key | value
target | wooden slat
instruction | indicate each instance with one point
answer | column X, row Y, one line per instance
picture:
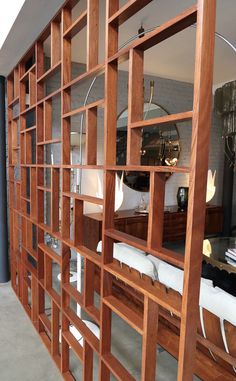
column 46, row 249
column 144, row 168
column 73, row 343
column 150, row 325
column 85, row 198
column 172, row 118
column 77, row 26
column 83, row 329
column 98, row 103
column 50, row 72
column 127, row 11
column 117, row 368
column 92, row 30
column 124, row 312
column 198, row 181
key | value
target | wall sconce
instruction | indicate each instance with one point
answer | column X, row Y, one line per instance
column 211, row 188
column 119, row 193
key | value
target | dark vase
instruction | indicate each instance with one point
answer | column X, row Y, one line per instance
column 182, row 198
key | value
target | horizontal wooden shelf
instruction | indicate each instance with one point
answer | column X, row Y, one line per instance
column 126, row 313
column 30, row 129
column 172, row 257
column 14, row 101
column 27, row 199
column 159, row 34
column 76, row 26
column 15, row 117
column 127, row 11
column 94, row 313
column 173, row 118
column 99, row 103
column 74, row 293
column 51, row 253
column 32, row 252
column 85, row 198
column 44, row 189
column 145, row 168
column 116, row 368
column 126, row 238
column 26, row 74
column 74, row 344
column 49, row 96
column 28, row 109
column 50, row 72
column 89, row 254
column 51, row 141
column 82, row 166
column 95, row 71
column 159, row 295
column 54, row 295
column 82, row 328
column 46, row 322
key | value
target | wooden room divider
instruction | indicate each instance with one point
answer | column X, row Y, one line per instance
column 30, row 119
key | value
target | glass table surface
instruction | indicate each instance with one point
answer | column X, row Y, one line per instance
column 214, row 250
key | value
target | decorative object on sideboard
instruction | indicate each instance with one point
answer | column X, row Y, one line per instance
column 182, row 198
column 143, row 206
column 211, row 188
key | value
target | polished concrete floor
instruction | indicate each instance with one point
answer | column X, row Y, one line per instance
column 23, row 357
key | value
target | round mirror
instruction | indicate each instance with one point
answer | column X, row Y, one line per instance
column 160, row 146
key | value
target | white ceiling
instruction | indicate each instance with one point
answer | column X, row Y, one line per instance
column 172, row 59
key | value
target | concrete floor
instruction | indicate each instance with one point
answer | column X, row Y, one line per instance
column 23, row 357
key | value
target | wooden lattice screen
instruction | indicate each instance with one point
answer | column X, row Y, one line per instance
column 31, row 194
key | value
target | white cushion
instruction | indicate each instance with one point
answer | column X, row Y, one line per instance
column 133, row 258
column 219, row 302
column 213, row 299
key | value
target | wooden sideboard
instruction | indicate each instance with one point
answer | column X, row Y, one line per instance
column 133, row 223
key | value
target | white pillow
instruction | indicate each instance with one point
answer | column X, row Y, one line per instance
column 220, row 303
column 156, row 261
column 133, row 258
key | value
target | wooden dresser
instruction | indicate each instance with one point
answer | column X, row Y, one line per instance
column 133, row 223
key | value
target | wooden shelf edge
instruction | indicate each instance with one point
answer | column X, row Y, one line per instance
column 175, row 118
column 126, row 313
column 76, row 26
column 127, row 11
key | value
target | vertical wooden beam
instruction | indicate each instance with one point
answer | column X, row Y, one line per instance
column 156, row 210
column 55, row 177
column 135, row 106
column 55, row 43
column 32, row 88
column 88, row 362
column 91, row 136
column 92, row 31
column 197, row 185
column 47, row 119
column 78, row 222
column 149, row 344
column 55, row 330
column 66, row 52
